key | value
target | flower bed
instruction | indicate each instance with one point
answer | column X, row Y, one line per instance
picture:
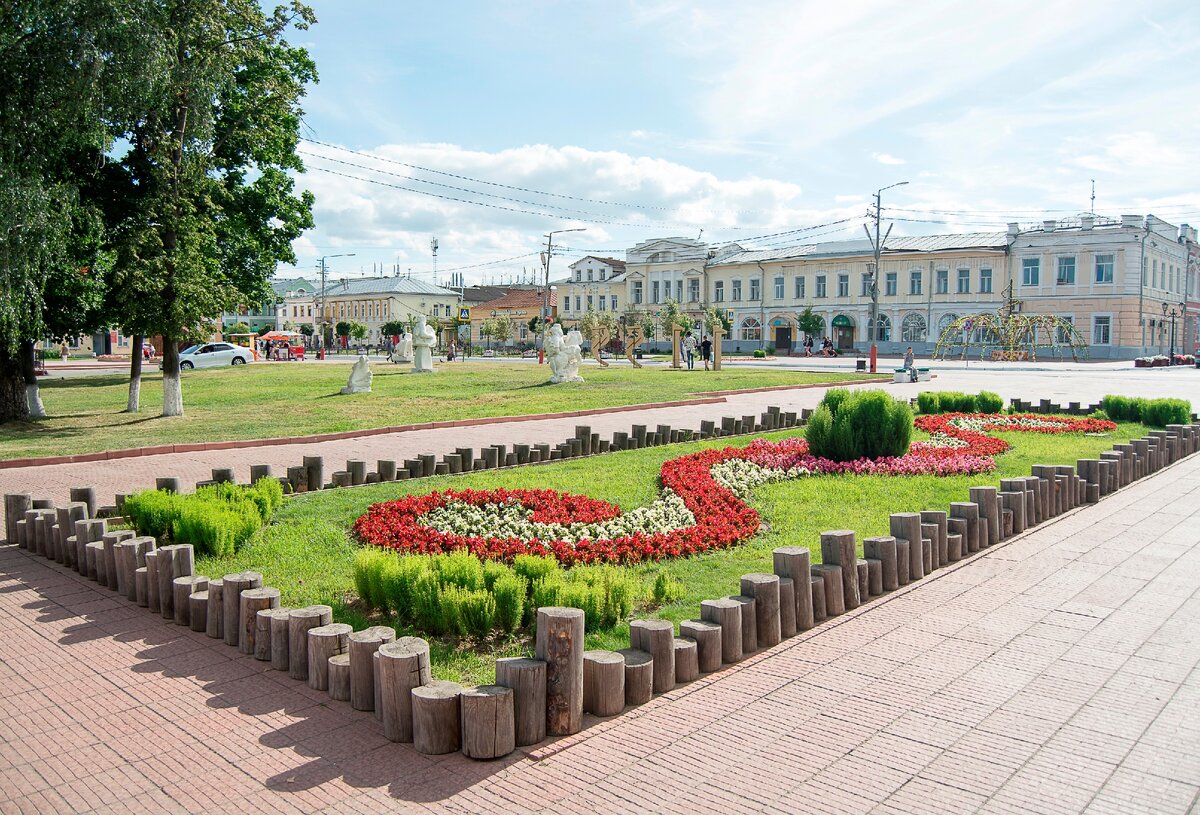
column 702, row 506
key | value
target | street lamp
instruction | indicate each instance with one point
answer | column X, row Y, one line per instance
column 877, row 244
column 1171, row 313
column 546, row 290
column 321, row 306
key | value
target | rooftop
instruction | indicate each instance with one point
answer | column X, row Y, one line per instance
column 515, row 300
column 919, row 243
column 385, row 285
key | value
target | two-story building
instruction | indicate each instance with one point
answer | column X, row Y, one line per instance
column 373, row 301
column 592, row 282
column 282, row 307
column 519, row 305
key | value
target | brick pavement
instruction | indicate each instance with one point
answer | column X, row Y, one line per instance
column 1055, row 673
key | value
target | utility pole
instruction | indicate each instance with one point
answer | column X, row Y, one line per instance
column 546, row 290
column 321, row 307
column 877, row 245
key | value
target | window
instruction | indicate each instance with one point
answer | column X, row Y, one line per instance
column 913, row 328
column 779, row 288
column 751, row 329
column 1030, row 271
column 821, row 285
column 1062, row 334
column 914, row 282
column 578, row 303
column 985, row 281
column 637, row 292
column 578, row 275
column 889, row 284
column 1104, row 268
column 1066, row 271
column 943, row 281
column 1101, row 330
column 843, row 285
column 719, row 291
column 944, row 323
column 589, row 275
column 799, row 288
column 964, row 281
column 613, row 303
column 1154, row 276
column 885, row 329
column 603, row 275
column 737, row 290
column 694, row 290
column 866, row 285
column 603, row 302
column 655, row 292
column 755, row 289
column 678, row 290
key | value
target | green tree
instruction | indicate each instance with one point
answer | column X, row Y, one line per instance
column 239, row 328
column 358, row 331
column 672, row 314
column 342, row 329
column 715, row 316
column 306, row 329
column 393, row 328
column 809, row 322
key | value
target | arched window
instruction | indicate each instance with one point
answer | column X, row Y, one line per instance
column 944, row 323
column 751, row 329
column 913, row 328
column 885, row 329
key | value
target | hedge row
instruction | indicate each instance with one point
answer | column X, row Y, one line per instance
column 931, row 402
column 216, row 520
column 1151, row 412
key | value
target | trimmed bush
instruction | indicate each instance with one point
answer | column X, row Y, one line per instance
column 509, row 591
column 865, row 424
column 1152, row 412
column 400, row 577
column 471, row 611
column 153, row 511
column 216, row 520
column 534, row 567
column 988, row 402
column 928, row 403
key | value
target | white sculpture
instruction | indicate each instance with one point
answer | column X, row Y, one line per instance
column 360, row 377
column 563, row 356
column 422, row 344
column 403, row 352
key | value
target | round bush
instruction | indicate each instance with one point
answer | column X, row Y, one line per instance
column 865, row 424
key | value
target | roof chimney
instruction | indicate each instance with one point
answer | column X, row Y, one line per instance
column 1134, row 221
column 1014, row 229
column 1087, row 222
column 1049, row 225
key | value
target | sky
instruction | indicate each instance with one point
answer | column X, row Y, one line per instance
column 487, row 125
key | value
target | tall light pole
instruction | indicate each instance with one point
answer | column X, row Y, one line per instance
column 1172, row 314
column 546, row 290
column 321, row 306
column 877, row 245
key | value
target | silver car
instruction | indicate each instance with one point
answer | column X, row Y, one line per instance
column 212, row 355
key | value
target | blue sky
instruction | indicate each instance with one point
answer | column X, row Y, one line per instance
column 739, row 119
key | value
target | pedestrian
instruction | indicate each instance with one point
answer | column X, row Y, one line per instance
column 808, row 345
column 910, row 364
column 450, row 352
column 65, row 352
column 689, row 349
column 706, row 351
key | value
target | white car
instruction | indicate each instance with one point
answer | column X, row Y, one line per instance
column 212, row 355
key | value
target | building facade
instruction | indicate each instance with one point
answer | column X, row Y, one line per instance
column 372, row 301
column 519, row 305
column 592, row 282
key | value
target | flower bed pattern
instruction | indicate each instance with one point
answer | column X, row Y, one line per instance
column 702, row 506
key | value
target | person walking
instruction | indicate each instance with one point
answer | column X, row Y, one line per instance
column 689, row 348
column 910, row 364
column 808, row 345
column 706, row 351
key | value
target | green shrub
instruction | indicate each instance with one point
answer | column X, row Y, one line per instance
column 509, row 591
column 865, row 424
column 928, row 403
column 760, row 353
column 400, row 579
column 468, row 611
column 493, row 570
column 988, row 402
column 1098, row 414
column 534, row 567
column 1162, row 412
column 369, row 564
column 461, row 569
column 216, row 520
column 1122, row 408
column 666, row 589
column 545, row 593
column 153, row 511
column 426, row 603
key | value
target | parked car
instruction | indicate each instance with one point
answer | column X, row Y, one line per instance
column 212, row 355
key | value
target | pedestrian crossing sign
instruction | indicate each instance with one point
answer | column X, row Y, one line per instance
column 729, row 315
column 464, row 313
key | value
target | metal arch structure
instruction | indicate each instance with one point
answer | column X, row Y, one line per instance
column 1010, row 335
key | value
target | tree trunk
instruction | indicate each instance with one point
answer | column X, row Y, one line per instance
column 135, row 375
column 13, row 406
column 33, row 397
column 172, row 389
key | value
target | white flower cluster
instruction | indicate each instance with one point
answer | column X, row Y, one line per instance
column 740, row 476
column 1002, row 423
column 942, row 440
column 511, row 520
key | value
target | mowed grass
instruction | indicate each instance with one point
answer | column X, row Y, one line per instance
column 272, row 400
column 307, row 551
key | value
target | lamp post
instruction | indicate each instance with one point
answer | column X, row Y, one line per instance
column 321, row 306
column 877, row 244
column 1171, row 313
column 546, row 290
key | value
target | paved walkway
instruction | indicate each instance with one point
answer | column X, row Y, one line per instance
column 1056, row 673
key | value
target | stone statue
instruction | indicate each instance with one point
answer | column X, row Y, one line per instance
column 403, row 352
column 563, row 354
column 574, row 351
column 360, row 377
column 422, row 344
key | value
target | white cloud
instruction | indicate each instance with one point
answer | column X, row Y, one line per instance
column 886, row 158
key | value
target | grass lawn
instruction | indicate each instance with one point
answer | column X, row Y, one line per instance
column 274, row 400
column 307, row 553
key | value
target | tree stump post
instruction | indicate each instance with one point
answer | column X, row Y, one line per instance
column 956, row 536
column 487, row 716
column 831, row 584
column 278, row 621
column 231, row 595
column 687, row 660
column 560, row 644
column 902, row 561
column 527, row 678
column 151, row 575
column 166, row 576
column 639, row 676
column 938, row 519
column 300, row 622
column 362, row 648
column 603, row 683
column 182, row 589
column 138, row 547
column 874, row 577
column 214, row 625
column 111, row 571
column 339, row 677
column 838, row 548
column 817, row 589
column 253, row 601
column 787, row 608
column 907, row 526
column 657, row 638
column 764, row 588
column 325, row 641
column 749, row 619
column 140, row 584
column 708, row 643
column 794, row 562
column 198, row 611
column 727, row 615
column 436, row 720
column 16, row 504
column 969, row 512
column 403, row 666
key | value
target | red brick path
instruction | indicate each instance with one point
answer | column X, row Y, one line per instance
column 1054, row 674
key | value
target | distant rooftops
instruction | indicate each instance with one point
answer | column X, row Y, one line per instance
column 385, row 285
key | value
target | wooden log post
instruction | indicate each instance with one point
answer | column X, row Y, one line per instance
column 436, row 718
column 687, row 664
column 315, row 469
column 938, row 518
column 603, row 683
column 883, row 549
column 764, row 588
column 279, row 620
column 986, row 498
column 956, row 537
column 639, row 676
column 1014, row 502
column 708, row 643
column 817, row 585
column 197, row 610
column 300, row 622
column 907, row 526
column 874, row 577
column 787, row 608
column 179, row 563
column 527, row 679
column 749, row 620
column 339, row 677
column 838, row 548
column 559, row 642
column 86, row 496
column 252, row 602
column 929, row 534
column 325, row 641
column 16, row 504
column 488, row 726
column 151, row 575
column 231, row 615
column 214, row 625
column 793, row 562
column 403, row 666
column 727, row 615
column 137, row 550
column 140, row 585
column 969, row 512
column 68, row 516
column 657, row 638
column 182, row 589
column 362, row 648
column 831, row 585
column 111, row 572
